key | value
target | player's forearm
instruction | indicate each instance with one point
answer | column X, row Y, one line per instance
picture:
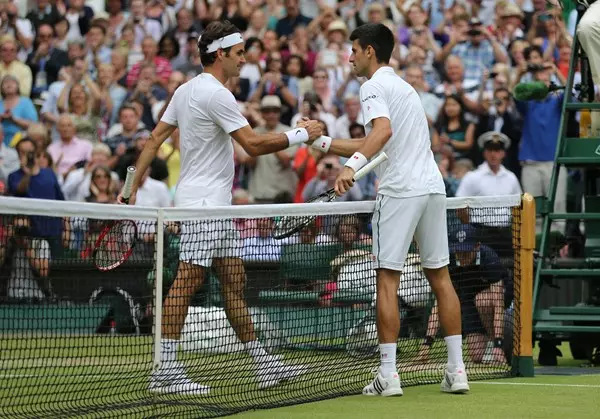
column 144, row 160
column 375, row 141
column 346, row 148
column 267, row 143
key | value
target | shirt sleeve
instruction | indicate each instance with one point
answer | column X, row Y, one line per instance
column 170, row 114
column 372, row 103
column 225, row 111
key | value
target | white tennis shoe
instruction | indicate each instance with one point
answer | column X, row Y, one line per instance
column 385, row 387
column 455, row 382
column 171, row 378
column 272, row 371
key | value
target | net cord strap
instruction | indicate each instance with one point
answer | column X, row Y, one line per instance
column 158, row 287
column 44, row 207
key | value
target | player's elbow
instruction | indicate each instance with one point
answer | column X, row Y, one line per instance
column 253, row 148
column 385, row 134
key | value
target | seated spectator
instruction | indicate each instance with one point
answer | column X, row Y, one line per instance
column 159, row 166
column 152, row 193
column 45, row 61
column 112, row 93
column 148, row 91
column 120, row 137
column 10, row 65
column 30, row 257
column 305, row 166
column 452, row 128
column 327, row 170
column 9, row 159
column 31, row 181
column 169, row 153
column 70, row 152
column 161, row 65
column 176, row 79
column 77, row 185
column 103, row 187
column 246, row 226
column 262, row 246
column 17, row 112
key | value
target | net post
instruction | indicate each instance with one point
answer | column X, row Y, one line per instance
column 158, row 284
column 522, row 362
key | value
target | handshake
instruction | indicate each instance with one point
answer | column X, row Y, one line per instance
column 313, row 128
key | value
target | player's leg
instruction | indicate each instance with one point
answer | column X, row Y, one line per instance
column 232, row 276
column 195, row 255
column 431, row 235
column 394, row 222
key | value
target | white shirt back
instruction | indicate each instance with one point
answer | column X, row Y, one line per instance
column 411, row 169
column 206, row 113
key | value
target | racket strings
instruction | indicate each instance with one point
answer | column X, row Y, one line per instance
column 115, row 244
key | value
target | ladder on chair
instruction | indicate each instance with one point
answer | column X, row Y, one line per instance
column 579, row 324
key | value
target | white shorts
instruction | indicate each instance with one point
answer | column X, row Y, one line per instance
column 202, row 241
column 396, row 221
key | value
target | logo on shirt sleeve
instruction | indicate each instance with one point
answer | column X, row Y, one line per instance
column 369, row 97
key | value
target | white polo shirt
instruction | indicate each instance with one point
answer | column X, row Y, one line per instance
column 410, row 169
column 206, row 113
column 484, row 182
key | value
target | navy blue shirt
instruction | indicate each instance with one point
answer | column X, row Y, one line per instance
column 44, row 185
column 541, row 123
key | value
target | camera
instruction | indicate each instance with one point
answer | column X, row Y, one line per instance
column 474, row 32
column 493, row 75
column 30, row 159
column 22, row 230
column 328, row 165
column 545, row 17
column 532, row 68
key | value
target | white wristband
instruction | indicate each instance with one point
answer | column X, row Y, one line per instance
column 357, row 161
column 322, row 143
column 297, row 136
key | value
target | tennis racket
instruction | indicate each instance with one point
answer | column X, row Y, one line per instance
column 117, row 239
column 287, row 226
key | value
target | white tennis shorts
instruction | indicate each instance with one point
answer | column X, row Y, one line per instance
column 396, row 221
column 202, row 241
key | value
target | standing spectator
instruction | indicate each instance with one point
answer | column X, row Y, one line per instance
column 143, row 27
column 31, row 181
column 120, row 136
column 79, row 16
column 17, row 112
column 10, row 65
column 414, row 75
column 98, row 52
column 351, row 116
column 541, row 122
column 182, row 32
column 70, row 151
column 148, row 92
column 113, row 95
column 193, row 65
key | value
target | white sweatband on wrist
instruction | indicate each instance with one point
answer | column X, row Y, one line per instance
column 357, row 161
column 322, row 143
column 297, row 136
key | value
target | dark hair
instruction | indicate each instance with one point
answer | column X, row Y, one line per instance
column 300, row 61
column 26, row 140
column 378, row 36
column 127, row 106
column 532, row 48
column 168, row 37
column 215, row 30
column 254, row 40
column 99, row 26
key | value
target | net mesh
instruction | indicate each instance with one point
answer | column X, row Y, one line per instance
column 78, row 340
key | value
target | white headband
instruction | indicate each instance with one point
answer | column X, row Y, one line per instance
column 225, row 42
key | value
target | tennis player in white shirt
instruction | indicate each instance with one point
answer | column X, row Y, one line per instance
column 411, row 202
column 207, row 116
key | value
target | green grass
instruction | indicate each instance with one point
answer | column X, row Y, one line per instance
column 486, row 401
column 58, row 376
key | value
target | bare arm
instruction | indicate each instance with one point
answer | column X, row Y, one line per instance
column 157, row 138
column 368, row 146
column 258, row 144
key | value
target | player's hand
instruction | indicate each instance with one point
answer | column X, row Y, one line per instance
column 344, row 181
column 313, row 128
column 121, row 201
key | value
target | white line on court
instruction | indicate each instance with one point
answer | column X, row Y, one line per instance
column 536, row 384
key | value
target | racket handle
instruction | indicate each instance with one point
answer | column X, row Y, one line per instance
column 128, row 183
column 370, row 166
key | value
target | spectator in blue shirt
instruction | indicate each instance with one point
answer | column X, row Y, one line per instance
column 31, row 181
column 541, row 124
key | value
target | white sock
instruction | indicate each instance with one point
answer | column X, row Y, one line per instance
column 256, row 351
column 387, row 353
column 168, row 349
column 455, row 358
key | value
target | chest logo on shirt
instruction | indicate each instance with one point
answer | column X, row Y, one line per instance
column 369, row 97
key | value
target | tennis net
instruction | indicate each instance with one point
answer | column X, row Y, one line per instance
column 75, row 339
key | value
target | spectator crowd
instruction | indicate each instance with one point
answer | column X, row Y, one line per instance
column 83, row 83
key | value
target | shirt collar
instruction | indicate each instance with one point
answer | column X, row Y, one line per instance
column 384, row 69
column 486, row 168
